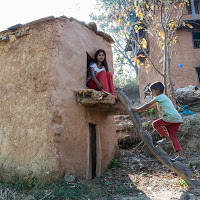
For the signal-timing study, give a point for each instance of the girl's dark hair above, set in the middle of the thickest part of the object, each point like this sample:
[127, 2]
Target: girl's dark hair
[157, 85]
[104, 63]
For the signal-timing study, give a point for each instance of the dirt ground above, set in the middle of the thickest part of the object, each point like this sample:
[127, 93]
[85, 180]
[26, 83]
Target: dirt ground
[134, 174]
[137, 175]
[142, 177]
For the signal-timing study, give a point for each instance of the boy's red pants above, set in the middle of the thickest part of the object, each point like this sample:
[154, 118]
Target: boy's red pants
[105, 78]
[171, 130]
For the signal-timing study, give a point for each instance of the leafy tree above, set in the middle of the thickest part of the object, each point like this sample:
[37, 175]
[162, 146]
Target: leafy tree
[118, 32]
[160, 20]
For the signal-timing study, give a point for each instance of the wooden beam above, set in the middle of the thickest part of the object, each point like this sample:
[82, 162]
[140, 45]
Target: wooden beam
[193, 9]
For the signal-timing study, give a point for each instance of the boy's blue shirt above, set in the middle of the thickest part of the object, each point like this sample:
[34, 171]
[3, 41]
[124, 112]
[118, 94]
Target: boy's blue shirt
[167, 110]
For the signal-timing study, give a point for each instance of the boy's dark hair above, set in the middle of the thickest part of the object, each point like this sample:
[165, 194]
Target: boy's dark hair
[157, 85]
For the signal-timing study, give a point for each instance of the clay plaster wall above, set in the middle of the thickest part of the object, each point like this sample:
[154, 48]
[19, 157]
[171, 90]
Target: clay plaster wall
[70, 59]
[42, 127]
[26, 142]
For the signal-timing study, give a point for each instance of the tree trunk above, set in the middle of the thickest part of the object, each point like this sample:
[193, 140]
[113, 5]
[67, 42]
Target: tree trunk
[178, 167]
[165, 65]
[171, 93]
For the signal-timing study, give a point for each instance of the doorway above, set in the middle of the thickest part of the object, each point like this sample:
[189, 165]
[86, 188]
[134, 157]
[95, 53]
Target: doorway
[92, 151]
[198, 74]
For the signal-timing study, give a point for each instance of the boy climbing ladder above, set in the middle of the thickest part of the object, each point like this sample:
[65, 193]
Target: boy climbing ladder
[170, 118]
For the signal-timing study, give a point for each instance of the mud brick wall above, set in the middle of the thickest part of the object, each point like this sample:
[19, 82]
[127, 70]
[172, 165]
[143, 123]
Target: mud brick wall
[72, 42]
[42, 127]
[24, 88]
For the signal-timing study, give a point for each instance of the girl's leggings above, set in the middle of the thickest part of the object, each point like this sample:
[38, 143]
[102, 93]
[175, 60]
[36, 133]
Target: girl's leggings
[105, 78]
[171, 130]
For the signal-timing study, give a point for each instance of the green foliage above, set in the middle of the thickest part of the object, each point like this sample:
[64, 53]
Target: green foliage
[198, 144]
[28, 182]
[147, 126]
[107, 183]
[95, 181]
[128, 85]
[116, 163]
[150, 112]
[119, 33]
[160, 19]
[63, 190]
[123, 190]
[183, 183]
[52, 191]
[189, 166]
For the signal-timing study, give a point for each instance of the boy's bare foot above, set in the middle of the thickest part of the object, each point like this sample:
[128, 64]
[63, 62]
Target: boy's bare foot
[181, 155]
[164, 141]
[178, 158]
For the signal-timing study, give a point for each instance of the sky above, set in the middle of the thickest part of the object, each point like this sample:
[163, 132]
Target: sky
[24, 11]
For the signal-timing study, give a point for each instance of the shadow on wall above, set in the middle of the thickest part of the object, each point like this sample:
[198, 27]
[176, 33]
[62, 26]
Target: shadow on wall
[89, 59]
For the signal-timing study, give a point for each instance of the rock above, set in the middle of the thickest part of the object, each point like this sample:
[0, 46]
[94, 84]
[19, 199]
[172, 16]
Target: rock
[70, 178]
[187, 95]
[125, 141]
[29, 197]
[93, 26]
[106, 37]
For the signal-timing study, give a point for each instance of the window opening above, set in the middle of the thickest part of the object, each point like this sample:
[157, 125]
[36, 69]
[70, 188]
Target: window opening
[196, 40]
[89, 59]
[196, 7]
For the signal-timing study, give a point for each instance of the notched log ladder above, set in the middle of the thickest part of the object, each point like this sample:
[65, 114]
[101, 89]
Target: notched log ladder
[121, 106]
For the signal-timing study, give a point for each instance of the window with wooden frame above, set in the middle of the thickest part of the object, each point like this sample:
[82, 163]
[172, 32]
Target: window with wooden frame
[196, 7]
[196, 39]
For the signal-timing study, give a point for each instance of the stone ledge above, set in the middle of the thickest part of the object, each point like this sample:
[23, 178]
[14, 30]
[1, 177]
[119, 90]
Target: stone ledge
[99, 100]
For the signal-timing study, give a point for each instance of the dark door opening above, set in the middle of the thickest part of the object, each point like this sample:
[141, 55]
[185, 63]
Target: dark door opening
[198, 74]
[93, 151]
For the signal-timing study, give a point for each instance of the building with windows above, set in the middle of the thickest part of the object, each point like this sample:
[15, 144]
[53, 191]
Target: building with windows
[185, 60]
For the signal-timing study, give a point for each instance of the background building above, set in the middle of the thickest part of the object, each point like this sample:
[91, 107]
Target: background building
[185, 60]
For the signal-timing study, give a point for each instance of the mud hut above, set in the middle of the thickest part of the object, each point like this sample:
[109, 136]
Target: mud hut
[44, 127]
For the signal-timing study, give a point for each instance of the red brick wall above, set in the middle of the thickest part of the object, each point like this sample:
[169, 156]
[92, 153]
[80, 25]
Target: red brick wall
[183, 53]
